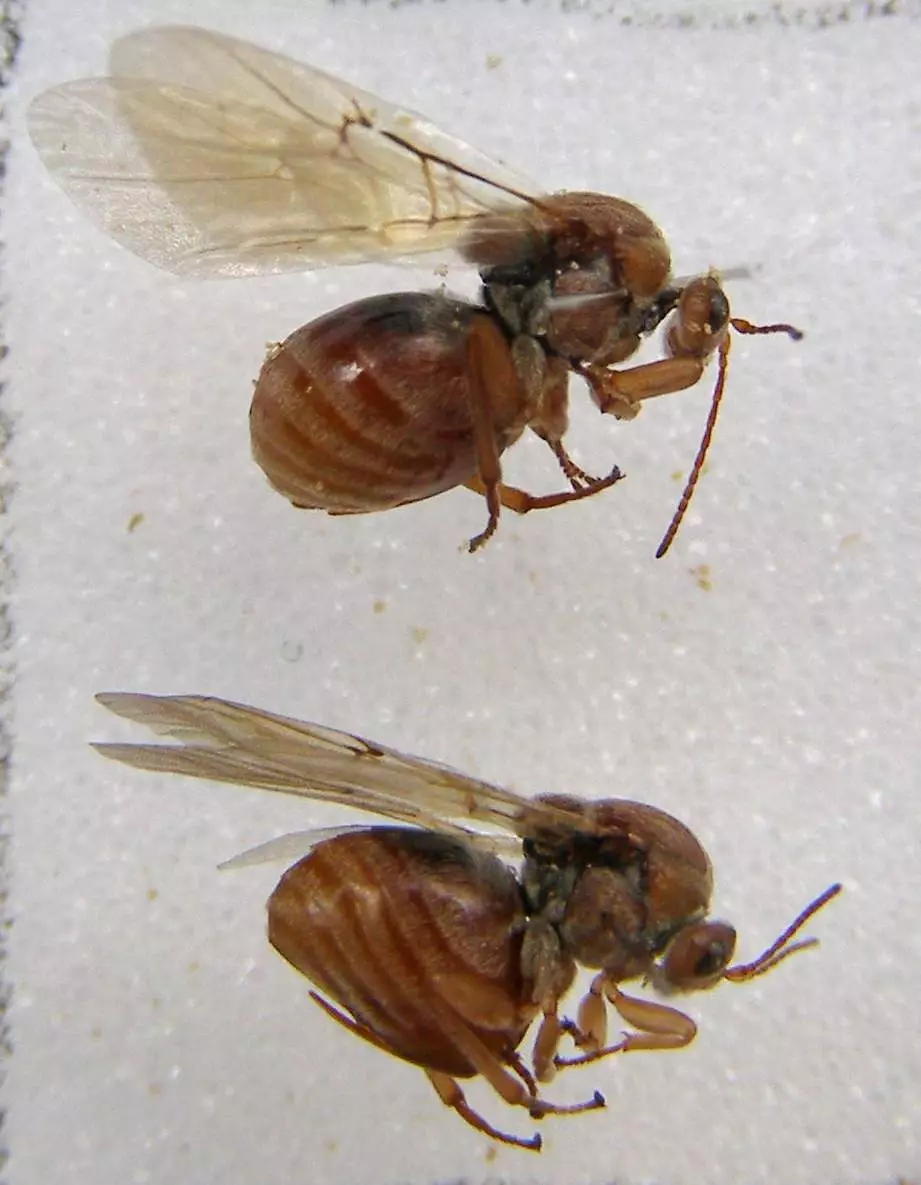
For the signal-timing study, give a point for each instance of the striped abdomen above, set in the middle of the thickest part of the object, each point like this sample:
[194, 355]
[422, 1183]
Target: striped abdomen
[411, 933]
[369, 407]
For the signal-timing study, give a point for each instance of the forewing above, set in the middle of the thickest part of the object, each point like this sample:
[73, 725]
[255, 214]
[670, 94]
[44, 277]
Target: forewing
[228, 742]
[209, 156]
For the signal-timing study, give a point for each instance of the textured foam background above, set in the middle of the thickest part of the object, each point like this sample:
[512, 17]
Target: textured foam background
[761, 682]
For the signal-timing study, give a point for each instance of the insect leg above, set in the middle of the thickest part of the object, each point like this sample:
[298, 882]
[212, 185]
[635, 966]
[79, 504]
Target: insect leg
[452, 1096]
[620, 393]
[521, 1093]
[447, 1088]
[574, 474]
[546, 1044]
[520, 501]
[483, 343]
[517, 1093]
[590, 1029]
[352, 1025]
[518, 1067]
[659, 1027]
[550, 420]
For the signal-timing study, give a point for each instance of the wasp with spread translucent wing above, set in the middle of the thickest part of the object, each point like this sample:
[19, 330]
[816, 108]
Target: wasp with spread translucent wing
[432, 947]
[209, 156]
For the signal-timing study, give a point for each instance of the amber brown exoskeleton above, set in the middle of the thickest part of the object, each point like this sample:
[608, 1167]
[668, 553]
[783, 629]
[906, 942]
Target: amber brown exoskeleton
[209, 156]
[425, 942]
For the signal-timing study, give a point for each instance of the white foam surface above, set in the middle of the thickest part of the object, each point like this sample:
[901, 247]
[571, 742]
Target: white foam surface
[761, 682]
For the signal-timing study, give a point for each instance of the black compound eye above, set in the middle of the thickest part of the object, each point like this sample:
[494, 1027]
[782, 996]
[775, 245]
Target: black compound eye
[719, 311]
[710, 961]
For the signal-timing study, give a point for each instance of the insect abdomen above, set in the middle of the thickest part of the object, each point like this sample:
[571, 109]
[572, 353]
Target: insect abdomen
[411, 933]
[369, 407]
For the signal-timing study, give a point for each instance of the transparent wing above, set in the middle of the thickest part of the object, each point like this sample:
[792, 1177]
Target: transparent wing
[210, 156]
[287, 848]
[228, 742]
[296, 844]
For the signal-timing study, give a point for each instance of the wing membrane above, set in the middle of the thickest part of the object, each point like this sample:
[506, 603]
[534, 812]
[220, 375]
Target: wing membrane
[296, 844]
[229, 742]
[210, 156]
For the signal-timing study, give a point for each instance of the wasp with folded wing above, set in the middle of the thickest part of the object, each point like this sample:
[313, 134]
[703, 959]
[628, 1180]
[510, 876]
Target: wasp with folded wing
[428, 942]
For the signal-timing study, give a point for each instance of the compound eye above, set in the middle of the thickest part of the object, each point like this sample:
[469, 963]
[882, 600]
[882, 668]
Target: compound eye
[702, 319]
[719, 310]
[698, 955]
